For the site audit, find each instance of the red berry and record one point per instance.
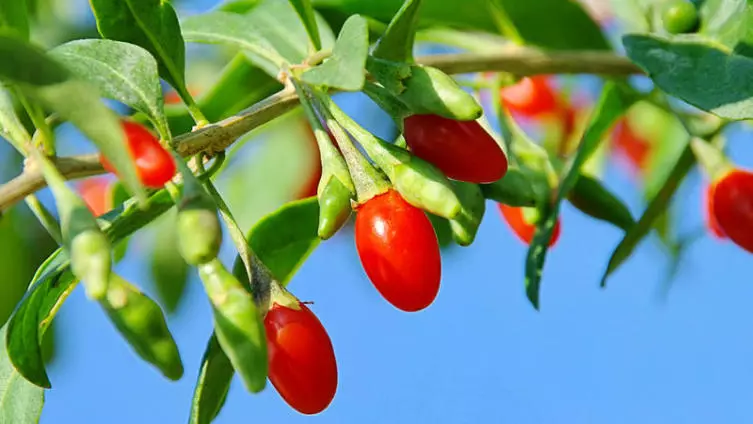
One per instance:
(632, 146)
(96, 194)
(516, 220)
(154, 164)
(311, 184)
(711, 221)
(462, 150)
(302, 364)
(531, 97)
(732, 204)
(399, 251)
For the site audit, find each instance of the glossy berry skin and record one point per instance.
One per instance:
(302, 364)
(462, 150)
(680, 17)
(515, 218)
(399, 251)
(732, 205)
(530, 97)
(711, 221)
(154, 164)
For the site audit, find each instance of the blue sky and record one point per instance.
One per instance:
(622, 355)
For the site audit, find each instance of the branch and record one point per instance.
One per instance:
(219, 136)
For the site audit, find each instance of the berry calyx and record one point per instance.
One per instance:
(732, 206)
(302, 365)
(399, 251)
(462, 150)
(154, 164)
(522, 221)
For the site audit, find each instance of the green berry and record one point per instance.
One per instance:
(680, 17)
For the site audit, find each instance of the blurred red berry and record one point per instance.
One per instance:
(531, 97)
(515, 217)
(631, 146)
(96, 193)
(732, 206)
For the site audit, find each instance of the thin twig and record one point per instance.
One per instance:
(217, 137)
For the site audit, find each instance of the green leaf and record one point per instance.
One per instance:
(551, 24)
(397, 42)
(271, 34)
(53, 282)
(14, 15)
(284, 239)
(345, 69)
(212, 385)
(48, 82)
(595, 200)
(728, 22)
(121, 71)
(11, 127)
(514, 189)
(306, 13)
(655, 209)
(442, 229)
(168, 268)
(151, 24)
(20, 401)
(612, 104)
(684, 67)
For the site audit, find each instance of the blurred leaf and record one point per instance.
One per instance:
(284, 239)
(683, 68)
(20, 401)
(14, 16)
(306, 13)
(551, 24)
(48, 82)
(150, 24)
(168, 268)
(514, 189)
(53, 282)
(121, 71)
(441, 229)
(632, 14)
(654, 210)
(11, 127)
(13, 262)
(271, 34)
(595, 200)
(728, 22)
(397, 42)
(212, 385)
(345, 68)
(612, 104)
(239, 6)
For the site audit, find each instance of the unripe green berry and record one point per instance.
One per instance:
(680, 17)
(199, 235)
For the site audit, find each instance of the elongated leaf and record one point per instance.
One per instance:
(612, 104)
(151, 24)
(728, 22)
(11, 127)
(48, 82)
(54, 281)
(306, 13)
(345, 69)
(552, 24)
(14, 15)
(121, 71)
(20, 401)
(595, 200)
(212, 385)
(656, 207)
(684, 67)
(514, 189)
(397, 42)
(282, 240)
(168, 268)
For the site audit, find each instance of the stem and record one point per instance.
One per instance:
(504, 23)
(46, 140)
(45, 218)
(193, 108)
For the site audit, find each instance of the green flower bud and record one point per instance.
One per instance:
(514, 189)
(91, 261)
(465, 225)
(141, 322)
(334, 207)
(424, 186)
(199, 235)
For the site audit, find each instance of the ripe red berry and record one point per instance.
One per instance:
(462, 150)
(154, 164)
(732, 205)
(96, 194)
(711, 221)
(302, 364)
(522, 226)
(399, 251)
(530, 97)
(631, 146)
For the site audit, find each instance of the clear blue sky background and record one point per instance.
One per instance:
(480, 353)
